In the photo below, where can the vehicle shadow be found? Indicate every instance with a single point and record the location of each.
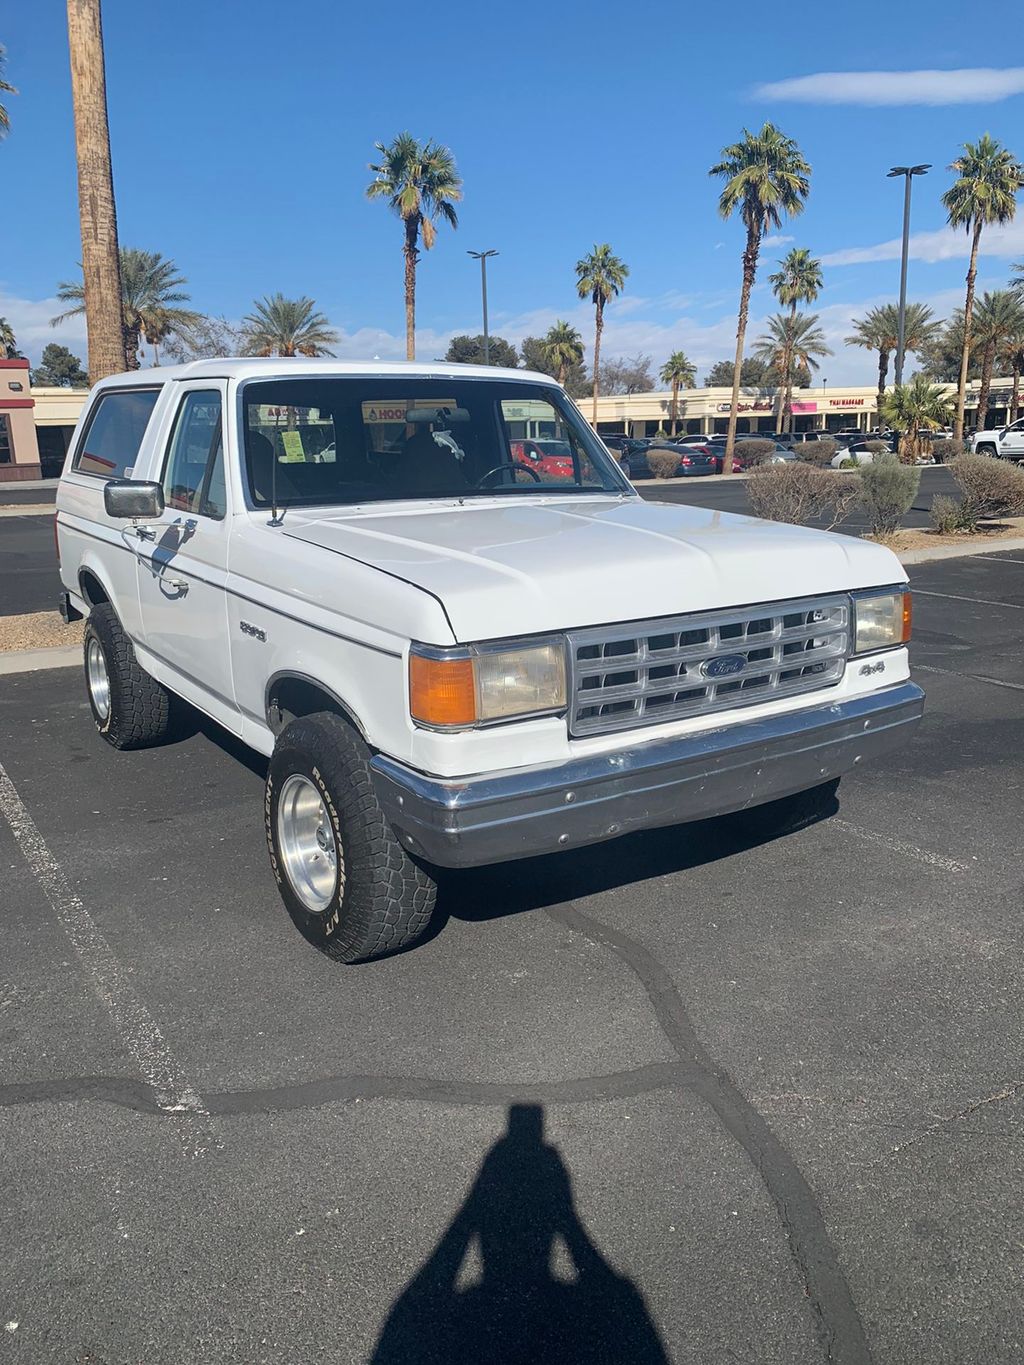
(518, 1311)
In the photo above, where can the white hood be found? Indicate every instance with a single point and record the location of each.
(505, 567)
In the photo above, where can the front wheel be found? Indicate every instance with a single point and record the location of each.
(987, 449)
(346, 881)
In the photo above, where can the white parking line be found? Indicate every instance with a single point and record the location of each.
(956, 597)
(132, 1020)
(968, 677)
(900, 846)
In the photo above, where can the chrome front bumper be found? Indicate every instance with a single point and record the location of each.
(465, 822)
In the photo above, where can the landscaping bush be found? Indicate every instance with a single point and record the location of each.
(754, 452)
(947, 449)
(820, 452)
(946, 515)
(799, 493)
(888, 489)
(991, 488)
(663, 463)
(851, 462)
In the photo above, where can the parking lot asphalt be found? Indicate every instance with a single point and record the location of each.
(29, 579)
(680, 1097)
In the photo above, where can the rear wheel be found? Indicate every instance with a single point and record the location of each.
(346, 881)
(131, 709)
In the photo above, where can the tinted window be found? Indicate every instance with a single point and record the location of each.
(6, 456)
(194, 473)
(114, 435)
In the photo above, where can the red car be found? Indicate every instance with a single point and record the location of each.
(545, 455)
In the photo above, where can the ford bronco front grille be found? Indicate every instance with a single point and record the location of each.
(654, 671)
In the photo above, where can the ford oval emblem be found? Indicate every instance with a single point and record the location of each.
(724, 666)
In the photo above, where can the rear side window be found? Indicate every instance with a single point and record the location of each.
(111, 443)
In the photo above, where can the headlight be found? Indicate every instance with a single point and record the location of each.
(457, 688)
(882, 621)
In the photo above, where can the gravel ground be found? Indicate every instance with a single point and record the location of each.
(37, 630)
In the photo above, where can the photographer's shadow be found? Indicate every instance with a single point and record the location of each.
(518, 1311)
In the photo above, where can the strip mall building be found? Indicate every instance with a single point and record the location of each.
(36, 423)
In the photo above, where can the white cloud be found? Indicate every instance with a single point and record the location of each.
(968, 85)
(30, 320)
(1004, 240)
(779, 239)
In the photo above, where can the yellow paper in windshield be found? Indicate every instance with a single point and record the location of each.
(293, 450)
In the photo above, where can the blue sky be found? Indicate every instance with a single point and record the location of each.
(241, 132)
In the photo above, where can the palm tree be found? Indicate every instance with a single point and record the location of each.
(600, 275)
(678, 371)
(150, 295)
(280, 326)
(101, 266)
(1017, 281)
(766, 179)
(563, 348)
(792, 339)
(8, 341)
(985, 191)
(5, 89)
(798, 281)
(1012, 357)
(909, 408)
(999, 315)
(878, 330)
(421, 184)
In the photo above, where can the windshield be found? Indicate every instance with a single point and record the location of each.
(332, 441)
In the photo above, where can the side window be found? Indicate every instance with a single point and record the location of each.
(5, 439)
(194, 472)
(113, 437)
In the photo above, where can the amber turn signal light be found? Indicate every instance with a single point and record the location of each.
(908, 616)
(441, 691)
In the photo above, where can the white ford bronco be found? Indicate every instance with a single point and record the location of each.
(430, 597)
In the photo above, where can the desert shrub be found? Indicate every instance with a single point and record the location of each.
(820, 452)
(991, 488)
(946, 450)
(888, 489)
(851, 462)
(754, 452)
(663, 463)
(946, 515)
(799, 493)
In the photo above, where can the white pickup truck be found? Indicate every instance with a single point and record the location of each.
(452, 652)
(1007, 442)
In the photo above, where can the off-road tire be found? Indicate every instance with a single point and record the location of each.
(382, 899)
(986, 448)
(791, 813)
(140, 708)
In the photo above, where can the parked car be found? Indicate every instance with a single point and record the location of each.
(694, 460)
(553, 458)
(1006, 442)
(436, 648)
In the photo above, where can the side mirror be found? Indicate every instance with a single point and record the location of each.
(133, 498)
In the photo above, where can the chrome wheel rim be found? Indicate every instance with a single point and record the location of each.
(98, 678)
(309, 850)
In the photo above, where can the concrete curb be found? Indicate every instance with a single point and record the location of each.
(30, 509)
(955, 552)
(32, 660)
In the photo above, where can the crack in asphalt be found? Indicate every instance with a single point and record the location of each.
(836, 1318)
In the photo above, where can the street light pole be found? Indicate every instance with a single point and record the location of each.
(482, 256)
(908, 172)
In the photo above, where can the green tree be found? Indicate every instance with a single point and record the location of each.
(999, 316)
(60, 368)
(563, 349)
(1017, 279)
(8, 342)
(792, 340)
(422, 186)
(799, 280)
(467, 350)
(151, 296)
(766, 179)
(535, 357)
(600, 275)
(679, 372)
(941, 353)
(985, 191)
(878, 330)
(753, 374)
(5, 89)
(915, 407)
(280, 326)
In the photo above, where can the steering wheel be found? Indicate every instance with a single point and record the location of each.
(500, 469)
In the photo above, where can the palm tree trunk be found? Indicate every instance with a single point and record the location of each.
(749, 273)
(411, 256)
(883, 375)
(787, 411)
(675, 405)
(965, 355)
(987, 361)
(562, 371)
(101, 266)
(132, 340)
(598, 328)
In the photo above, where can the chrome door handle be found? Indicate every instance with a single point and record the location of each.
(180, 583)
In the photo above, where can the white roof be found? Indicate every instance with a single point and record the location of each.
(292, 367)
